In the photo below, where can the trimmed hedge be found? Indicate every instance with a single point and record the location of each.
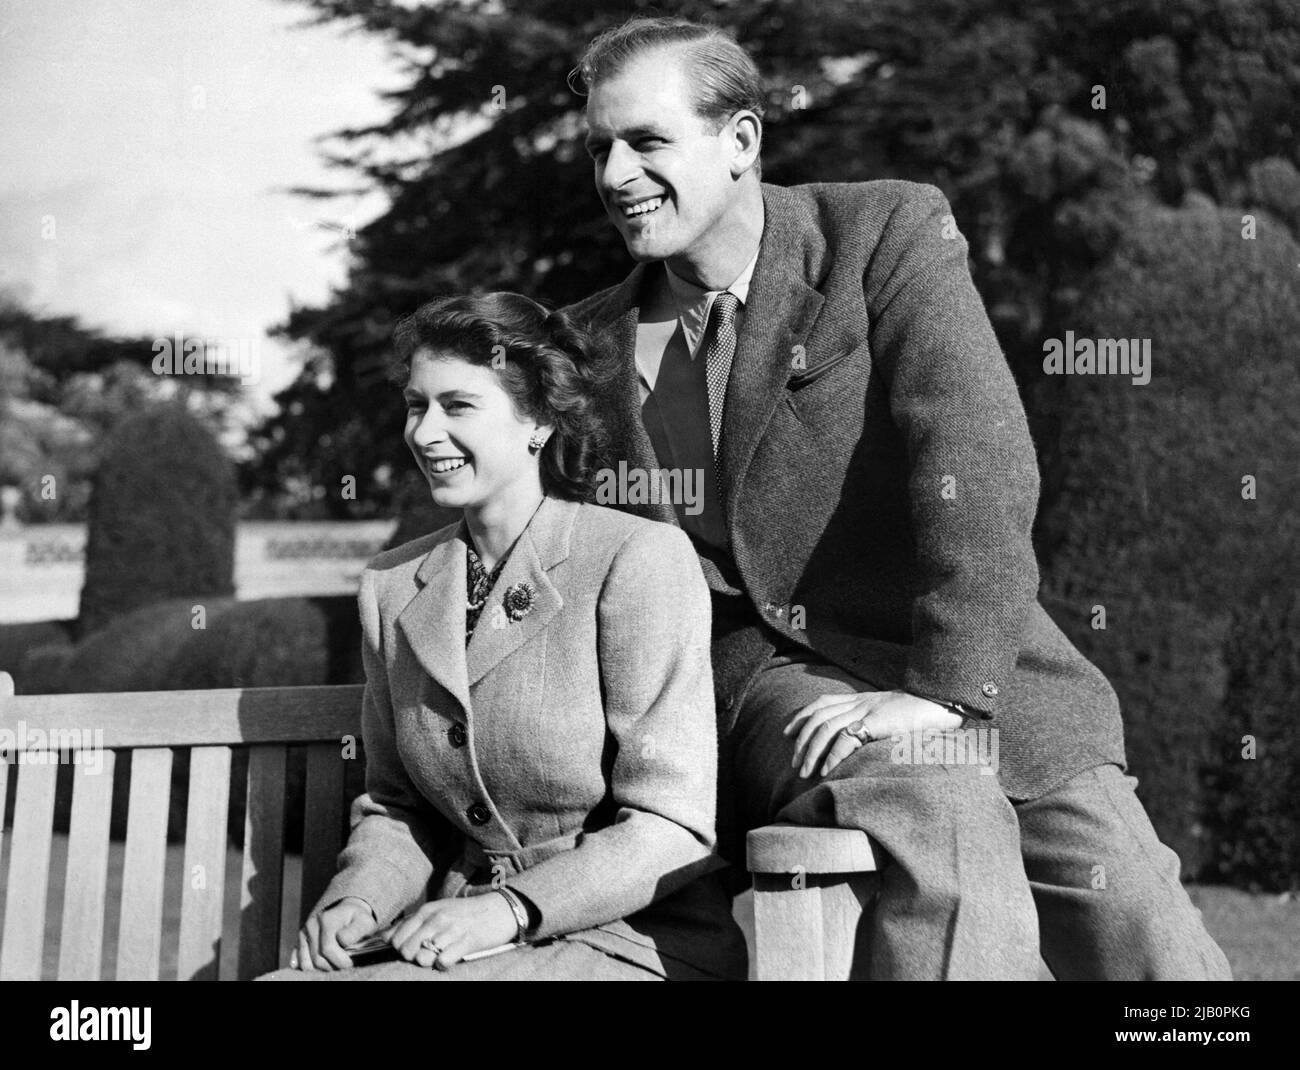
(34, 653)
(271, 642)
(1165, 661)
(136, 651)
(162, 516)
(18, 640)
(1146, 507)
(1253, 775)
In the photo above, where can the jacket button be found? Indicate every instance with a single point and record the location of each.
(458, 735)
(990, 689)
(479, 814)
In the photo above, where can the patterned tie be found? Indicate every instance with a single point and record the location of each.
(718, 357)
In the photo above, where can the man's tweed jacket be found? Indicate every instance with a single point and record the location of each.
(569, 754)
(880, 479)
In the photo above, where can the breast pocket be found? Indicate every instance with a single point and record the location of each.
(827, 385)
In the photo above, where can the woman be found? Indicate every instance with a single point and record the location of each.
(538, 714)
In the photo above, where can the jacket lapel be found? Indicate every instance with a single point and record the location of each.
(779, 313)
(541, 546)
(619, 335)
(434, 620)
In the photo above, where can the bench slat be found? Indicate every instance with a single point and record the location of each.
(204, 877)
(4, 798)
(322, 834)
(225, 717)
(23, 942)
(81, 937)
(139, 939)
(263, 877)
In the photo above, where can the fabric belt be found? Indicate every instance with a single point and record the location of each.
(477, 868)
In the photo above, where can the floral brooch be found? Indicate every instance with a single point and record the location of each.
(519, 600)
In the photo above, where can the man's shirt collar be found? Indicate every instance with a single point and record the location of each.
(693, 302)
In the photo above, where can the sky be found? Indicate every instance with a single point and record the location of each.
(146, 152)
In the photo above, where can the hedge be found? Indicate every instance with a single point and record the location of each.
(1253, 772)
(161, 522)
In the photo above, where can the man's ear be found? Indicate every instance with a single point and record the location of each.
(747, 131)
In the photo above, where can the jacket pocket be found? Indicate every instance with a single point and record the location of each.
(805, 376)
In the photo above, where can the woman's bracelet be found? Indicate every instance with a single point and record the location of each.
(520, 912)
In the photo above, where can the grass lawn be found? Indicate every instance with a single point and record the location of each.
(1260, 933)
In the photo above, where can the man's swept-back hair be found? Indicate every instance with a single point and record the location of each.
(723, 79)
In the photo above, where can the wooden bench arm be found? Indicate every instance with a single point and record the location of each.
(811, 890)
(776, 849)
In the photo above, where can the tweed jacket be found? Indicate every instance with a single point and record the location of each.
(880, 481)
(569, 754)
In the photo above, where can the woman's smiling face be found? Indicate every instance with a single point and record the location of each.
(465, 434)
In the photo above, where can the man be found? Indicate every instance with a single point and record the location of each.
(820, 354)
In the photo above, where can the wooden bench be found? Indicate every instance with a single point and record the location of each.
(810, 885)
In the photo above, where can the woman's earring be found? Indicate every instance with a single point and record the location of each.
(536, 441)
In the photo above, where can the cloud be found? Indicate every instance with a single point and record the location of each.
(148, 154)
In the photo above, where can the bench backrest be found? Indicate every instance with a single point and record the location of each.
(150, 725)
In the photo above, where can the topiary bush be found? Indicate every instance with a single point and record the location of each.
(1165, 660)
(32, 648)
(1253, 773)
(1176, 502)
(17, 639)
(136, 651)
(1147, 481)
(161, 518)
(269, 642)
(42, 670)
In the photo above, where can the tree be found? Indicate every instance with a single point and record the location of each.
(993, 100)
(63, 387)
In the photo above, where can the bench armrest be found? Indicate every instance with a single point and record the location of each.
(776, 849)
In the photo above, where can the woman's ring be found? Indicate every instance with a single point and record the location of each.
(430, 944)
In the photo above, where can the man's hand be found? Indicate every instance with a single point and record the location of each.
(881, 713)
(455, 928)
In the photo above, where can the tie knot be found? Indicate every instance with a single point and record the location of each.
(724, 308)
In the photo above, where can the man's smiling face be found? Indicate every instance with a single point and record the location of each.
(662, 171)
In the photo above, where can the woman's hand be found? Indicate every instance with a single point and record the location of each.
(881, 713)
(456, 928)
(325, 934)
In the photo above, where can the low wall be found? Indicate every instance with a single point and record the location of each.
(42, 568)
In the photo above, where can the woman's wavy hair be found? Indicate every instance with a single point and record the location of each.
(544, 361)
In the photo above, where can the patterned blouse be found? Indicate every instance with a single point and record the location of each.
(478, 582)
